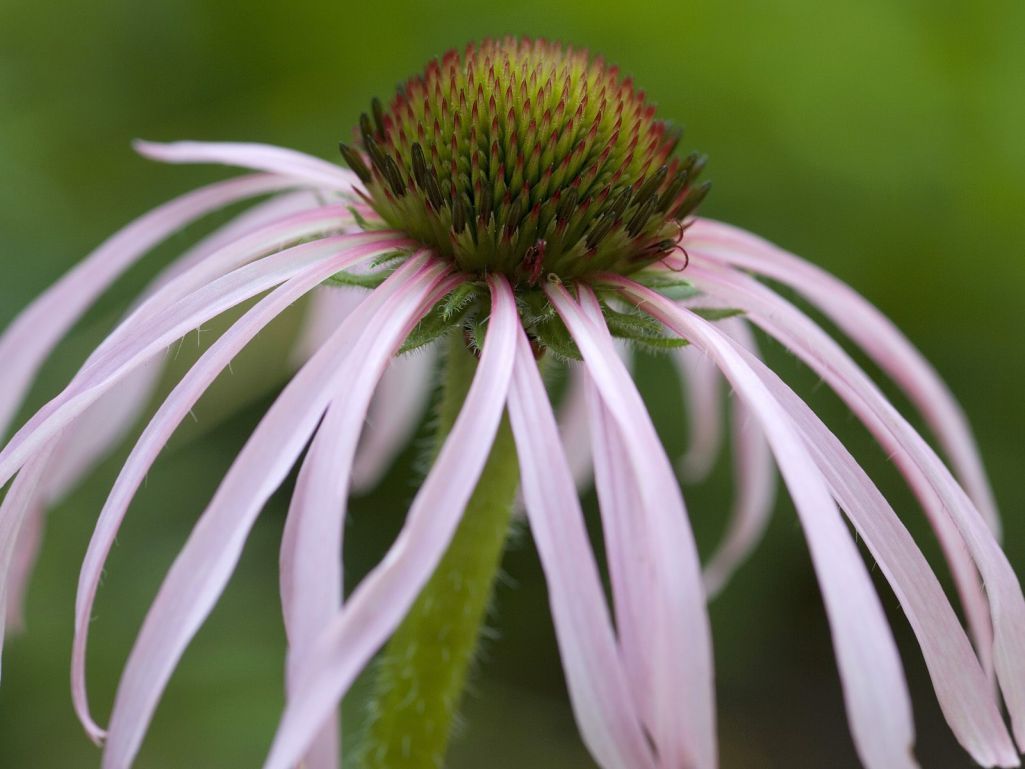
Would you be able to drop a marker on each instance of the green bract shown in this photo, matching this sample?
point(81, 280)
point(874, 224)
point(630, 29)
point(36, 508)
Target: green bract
point(527, 158)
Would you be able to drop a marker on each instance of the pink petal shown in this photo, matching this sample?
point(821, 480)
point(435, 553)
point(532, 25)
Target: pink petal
point(574, 430)
point(148, 332)
point(878, 705)
point(822, 354)
point(298, 166)
point(98, 430)
point(298, 607)
point(755, 482)
point(26, 551)
point(395, 413)
point(378, 604)
point(266, 240)
point(680, 708)
point(329, 307)
point(873, 332)
point(205, 564)
point(598, 685)
point(952, 514)
point(312, 546)
point(573, 418)
point(961, 685)
point(30, 338)
point(702, 395)
point(178, 404)
point(15, 508)
point(311, 568)
point(627, 548)
point(104, 425)
point(401, 397)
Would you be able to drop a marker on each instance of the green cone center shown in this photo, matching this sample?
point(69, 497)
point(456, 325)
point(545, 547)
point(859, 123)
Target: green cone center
point(527, 158)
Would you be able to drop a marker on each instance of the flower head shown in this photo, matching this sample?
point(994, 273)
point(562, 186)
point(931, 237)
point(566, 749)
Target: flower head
point(523, 195)
point(529, 159)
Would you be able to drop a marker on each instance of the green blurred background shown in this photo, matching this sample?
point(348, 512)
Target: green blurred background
point(881, 139)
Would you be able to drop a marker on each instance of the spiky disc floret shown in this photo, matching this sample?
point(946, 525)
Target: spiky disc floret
point(527, 158)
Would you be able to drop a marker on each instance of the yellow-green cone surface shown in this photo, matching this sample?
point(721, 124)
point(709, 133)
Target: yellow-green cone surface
point(527, 158)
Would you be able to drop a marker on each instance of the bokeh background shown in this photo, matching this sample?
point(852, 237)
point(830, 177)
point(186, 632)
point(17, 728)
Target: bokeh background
point(882, 139)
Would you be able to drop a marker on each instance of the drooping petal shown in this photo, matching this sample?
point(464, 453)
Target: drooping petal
point(78, 449)
point(627, 549)
point(573, 418)
point(296, 606)
point(755, 484)
point(873, 332)
point(105, 424)
point(178, 404)
point(785, 322)
point(395, 412)
point(878, 705)
point(329, 307)
point(98, 430)
point(203, 567)
point(401, 397)
point(574, 430)
point(702, 397)
point(266, 240)
point(312, 545)
point(14, 509)
point(26, 551)
point(311, 573)
point(106, 421)
point(597, 680)
point(31, 336)
point(298, 166)
point(680, 709)
point(962, 687)
point(151, 332)
point(954, 517)
point(381, 600)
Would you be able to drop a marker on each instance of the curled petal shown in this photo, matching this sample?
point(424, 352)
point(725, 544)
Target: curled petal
point(627, 548)
point(298, 606)
point(26, 551)
point(312, 546)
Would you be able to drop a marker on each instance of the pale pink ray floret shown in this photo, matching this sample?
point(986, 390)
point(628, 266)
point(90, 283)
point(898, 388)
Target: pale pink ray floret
point(639, 672)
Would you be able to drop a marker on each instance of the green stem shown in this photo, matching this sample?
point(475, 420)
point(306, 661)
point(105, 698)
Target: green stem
point(422, 672)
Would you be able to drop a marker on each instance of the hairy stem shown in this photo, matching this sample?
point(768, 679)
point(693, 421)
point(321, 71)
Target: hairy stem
point(423, 670)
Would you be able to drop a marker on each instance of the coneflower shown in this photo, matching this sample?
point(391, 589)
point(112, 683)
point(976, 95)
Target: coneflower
point(516, 203)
